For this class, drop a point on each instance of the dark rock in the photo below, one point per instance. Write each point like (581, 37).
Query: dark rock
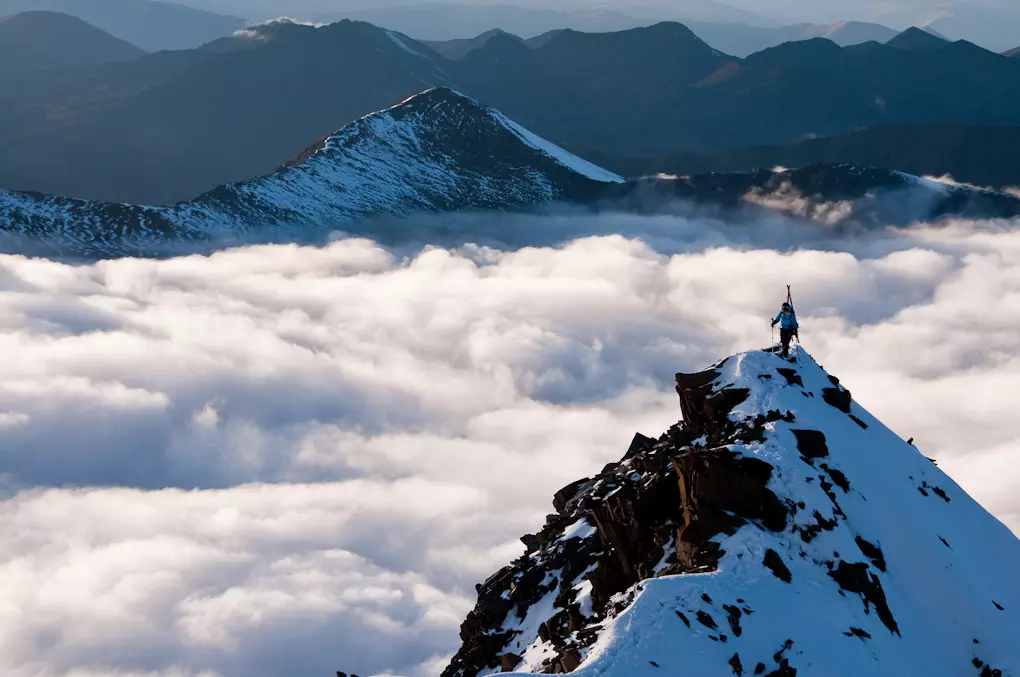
(838, 398)
(716, 482)
(653, 664)
(567, 493)
(858, 421)
(811, 443)
(776, 565)
(873, 552)
(838, 477)
(791, 376)
(759, 669)
(778, 657)
(705, 411)
(857, 632)
(706, 620)
(696, 381)
(808, 533)
(855, 578)
(570, 660)
(941, 494)
(509, 661)
(733, 618)
(998, 606)
(738, 669)
(683, 618)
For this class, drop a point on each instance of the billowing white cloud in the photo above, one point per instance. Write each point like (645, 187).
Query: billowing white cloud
(284, 460)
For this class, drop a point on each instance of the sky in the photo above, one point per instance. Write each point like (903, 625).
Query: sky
(282, 460)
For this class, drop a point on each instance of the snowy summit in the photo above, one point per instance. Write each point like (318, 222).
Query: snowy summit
(779, 529)
(438, 151)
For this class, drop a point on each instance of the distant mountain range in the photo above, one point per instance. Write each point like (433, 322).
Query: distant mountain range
(917, 40)
(983, 156)
(733, 39)
(743, 39)
(993, 27)
(147, 24)
(49, 40)
(448, 21)
(441, 151)
(1013, 53)
(734, 31)
(436, 21)
(661, 90)
(170, 126)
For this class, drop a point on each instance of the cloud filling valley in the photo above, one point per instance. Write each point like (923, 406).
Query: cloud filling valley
(286, 460)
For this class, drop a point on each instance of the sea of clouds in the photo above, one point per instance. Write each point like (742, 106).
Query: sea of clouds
(281, 460)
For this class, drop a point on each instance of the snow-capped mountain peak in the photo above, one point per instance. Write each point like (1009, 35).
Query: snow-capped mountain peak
(779, 528)
(449, 112)
(436, 151)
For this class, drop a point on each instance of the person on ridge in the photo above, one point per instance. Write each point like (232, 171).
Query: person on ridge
(788, 327)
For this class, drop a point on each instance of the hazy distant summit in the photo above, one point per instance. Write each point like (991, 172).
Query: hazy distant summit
(148, 24)
(51, 40)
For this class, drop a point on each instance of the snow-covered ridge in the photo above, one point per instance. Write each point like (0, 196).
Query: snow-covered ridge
(433, 152)
(778, 529)
(562, 157)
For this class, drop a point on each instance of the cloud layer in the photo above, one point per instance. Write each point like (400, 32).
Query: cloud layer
(286, 460)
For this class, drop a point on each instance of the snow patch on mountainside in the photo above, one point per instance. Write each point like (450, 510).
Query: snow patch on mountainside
(568, 160)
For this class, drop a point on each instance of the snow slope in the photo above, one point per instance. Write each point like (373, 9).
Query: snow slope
(870, 562)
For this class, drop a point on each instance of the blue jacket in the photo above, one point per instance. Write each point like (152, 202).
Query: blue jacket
(787, 321)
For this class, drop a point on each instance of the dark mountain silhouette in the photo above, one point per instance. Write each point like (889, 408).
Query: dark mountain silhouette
(50, 40)
(974, 154)
(237, 109)
(449, 21)
(991, 27)
(541, 40)
(458, 49)
(1014, 53)
(605, 91)
(663, 90)
(733, 39)
(917, 40)
(171, 125)
(148, 24)
(744, 39)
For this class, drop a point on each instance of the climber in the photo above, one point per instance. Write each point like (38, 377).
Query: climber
(788, 327)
